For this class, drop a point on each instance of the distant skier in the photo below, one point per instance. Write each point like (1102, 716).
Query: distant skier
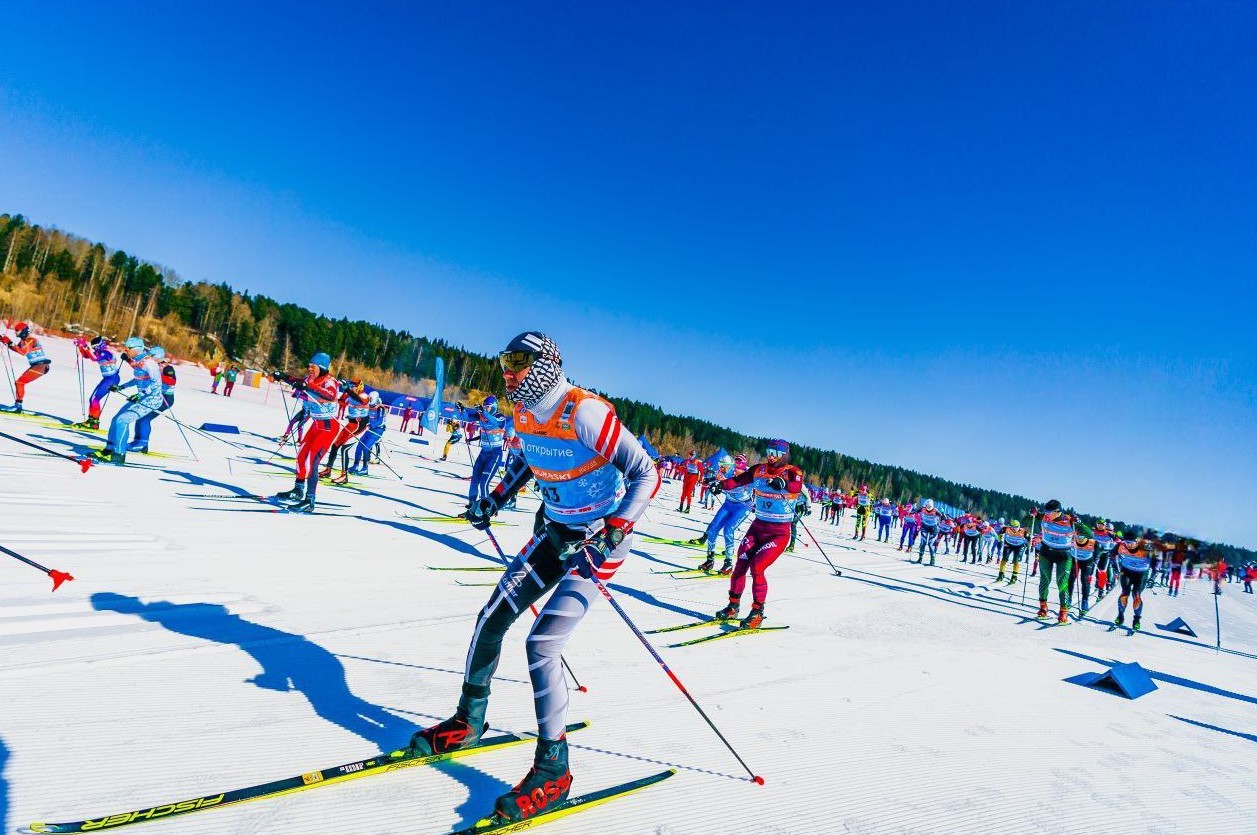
(884, 511)
(970, 531)
(1015, 538)
(737, 505)
(692, 472)
(946, 531)
(37, 361)
(377, 414)
(909, 525)
(1055, 539)
(596, 481)
(407, 414)
(110, 364)
(493, 426)
(777, 484)
(1084, 551)
(229, 376)
(355, 400)
(455, 430)
(1134, 565)
(322, 392)
(930, 522)
(1106, 541)
(863, 505)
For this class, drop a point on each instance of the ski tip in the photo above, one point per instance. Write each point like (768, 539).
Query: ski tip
(757, 780)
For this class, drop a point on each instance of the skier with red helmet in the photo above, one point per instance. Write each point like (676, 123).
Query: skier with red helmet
(776, 485)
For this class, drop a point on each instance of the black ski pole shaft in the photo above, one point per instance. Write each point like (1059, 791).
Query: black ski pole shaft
(1217, 617)
(85, 464)
(8, 371)
(505, 561)
(184, 435)
(380, 459)
(837, 571)
(1025, 578)
(58, 577)
(663, 664)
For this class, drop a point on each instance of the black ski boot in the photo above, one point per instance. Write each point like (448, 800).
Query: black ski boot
(729, 612)
(304, 505)
(709, 563)
(462, 730)
(698, 540)
(548, 782)
(727, 568)
(296, 494)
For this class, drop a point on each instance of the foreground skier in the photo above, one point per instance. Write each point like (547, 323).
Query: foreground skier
(595, 481)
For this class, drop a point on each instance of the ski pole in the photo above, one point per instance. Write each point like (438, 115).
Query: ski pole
(379, 459)
(837, 572)
(85, 464)
(506, 561)
(78, 365)
(8, 371)
(1217, 620)
(1025, 578)
(185, 437)
(170, 413)
(58, 577)
(646, 643)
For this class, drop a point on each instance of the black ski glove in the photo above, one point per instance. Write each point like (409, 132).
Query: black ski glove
(777, 483)
(481, 512)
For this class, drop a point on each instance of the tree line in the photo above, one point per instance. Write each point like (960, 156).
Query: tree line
(68, 283)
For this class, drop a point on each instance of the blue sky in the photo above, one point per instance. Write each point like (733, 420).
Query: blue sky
(1010, 244)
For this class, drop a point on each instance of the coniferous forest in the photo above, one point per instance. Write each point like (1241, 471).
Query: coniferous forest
(66, 283)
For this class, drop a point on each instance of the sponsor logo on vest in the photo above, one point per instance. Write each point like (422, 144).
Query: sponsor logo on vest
(562, 452)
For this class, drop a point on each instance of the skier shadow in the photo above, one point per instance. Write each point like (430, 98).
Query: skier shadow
(942, 595)
(654, 601)
(460, 496)
(202, 481)
(441, 539)
(1249, 737)
(1168, 678)
(415, 505)
(78, 449)
(289, 662)
(4, 789)
(655, 559)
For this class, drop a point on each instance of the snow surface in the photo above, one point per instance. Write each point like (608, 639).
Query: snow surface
(209, 644)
